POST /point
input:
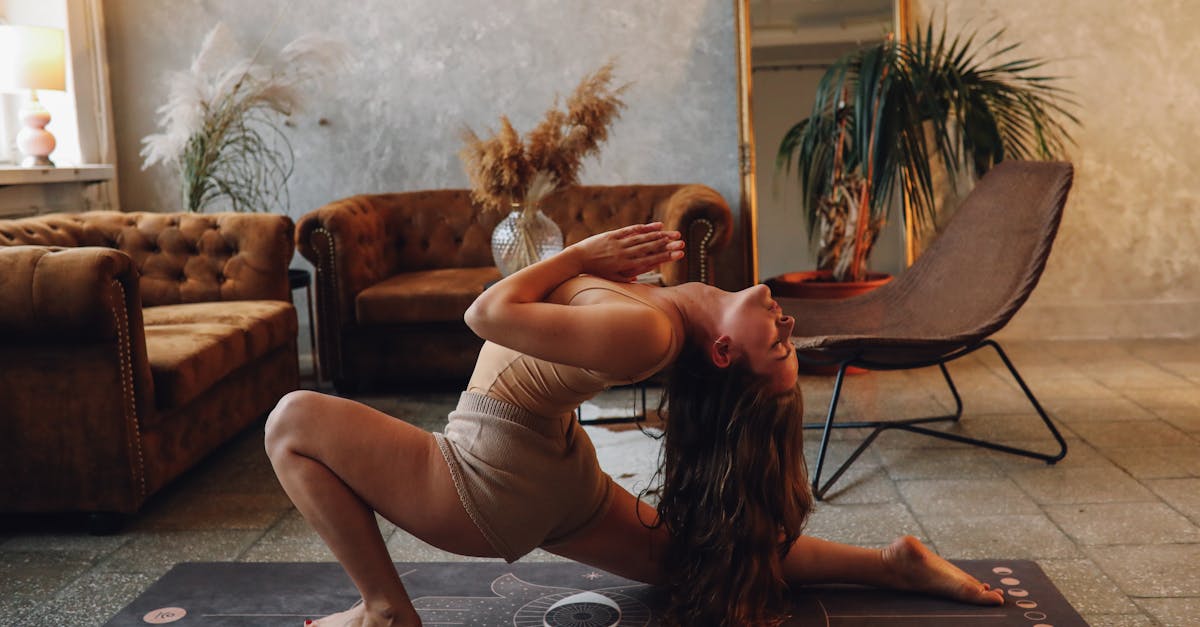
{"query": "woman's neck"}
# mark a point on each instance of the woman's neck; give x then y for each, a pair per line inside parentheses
(699, 307)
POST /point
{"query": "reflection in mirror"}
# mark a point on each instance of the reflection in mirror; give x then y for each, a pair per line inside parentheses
(792, 44)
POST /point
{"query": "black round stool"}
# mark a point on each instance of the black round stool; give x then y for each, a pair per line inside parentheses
(301, 278)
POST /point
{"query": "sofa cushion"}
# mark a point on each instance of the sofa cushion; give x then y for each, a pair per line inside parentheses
(267, 324)
(440, 295)
(195, 345)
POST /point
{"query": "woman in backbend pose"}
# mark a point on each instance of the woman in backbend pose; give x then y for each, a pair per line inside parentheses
(513, 471)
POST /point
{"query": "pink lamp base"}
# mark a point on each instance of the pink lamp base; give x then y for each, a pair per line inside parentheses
(34, 141)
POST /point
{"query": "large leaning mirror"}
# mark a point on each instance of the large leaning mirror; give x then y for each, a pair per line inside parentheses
(784, 47)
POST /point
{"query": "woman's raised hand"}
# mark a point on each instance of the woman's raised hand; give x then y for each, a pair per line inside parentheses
(622, 254)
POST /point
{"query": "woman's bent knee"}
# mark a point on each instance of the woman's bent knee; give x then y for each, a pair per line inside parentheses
(284, 423)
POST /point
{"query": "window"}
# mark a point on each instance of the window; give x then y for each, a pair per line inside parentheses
(79, 117)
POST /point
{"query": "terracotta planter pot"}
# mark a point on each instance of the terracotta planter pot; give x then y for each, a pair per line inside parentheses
(818, 284)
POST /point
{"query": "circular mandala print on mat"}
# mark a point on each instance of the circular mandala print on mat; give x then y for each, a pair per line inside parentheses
(583, 609)
(164, 615)
(583, 615)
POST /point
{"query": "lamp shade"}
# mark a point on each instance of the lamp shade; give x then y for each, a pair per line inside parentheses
(32, 57)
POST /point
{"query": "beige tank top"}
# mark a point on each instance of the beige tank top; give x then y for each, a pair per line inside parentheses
(546, 388)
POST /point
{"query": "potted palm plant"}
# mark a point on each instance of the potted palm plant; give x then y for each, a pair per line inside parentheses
(888, 115)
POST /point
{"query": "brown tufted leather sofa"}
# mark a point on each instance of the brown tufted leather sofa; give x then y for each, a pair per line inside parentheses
(132, 345)
(396, 272)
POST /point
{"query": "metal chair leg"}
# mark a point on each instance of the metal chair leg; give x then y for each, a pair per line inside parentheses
(877, 427)
(1036, 405)
(1046, 457)
(818, 492)
(958, 405)
(914, 425)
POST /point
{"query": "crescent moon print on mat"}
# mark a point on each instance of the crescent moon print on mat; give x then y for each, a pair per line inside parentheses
(533, 605)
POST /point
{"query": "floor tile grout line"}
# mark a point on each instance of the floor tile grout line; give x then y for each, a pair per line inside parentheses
(283, 514)
(43, 606)
(1080, 546)
(1167, 503)
(911, 512)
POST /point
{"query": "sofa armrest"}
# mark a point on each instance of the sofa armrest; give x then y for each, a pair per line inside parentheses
(63, 295)
(345, 242)
(75, 377)
(706, 222)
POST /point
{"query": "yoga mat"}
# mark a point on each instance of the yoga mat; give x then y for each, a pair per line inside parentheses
(554, 594)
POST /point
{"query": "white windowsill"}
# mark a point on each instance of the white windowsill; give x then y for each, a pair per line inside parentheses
(16, 175)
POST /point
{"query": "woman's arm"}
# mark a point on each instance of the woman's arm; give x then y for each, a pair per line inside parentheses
(612, 338)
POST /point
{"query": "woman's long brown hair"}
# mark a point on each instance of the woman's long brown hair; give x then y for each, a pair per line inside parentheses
(734, 495)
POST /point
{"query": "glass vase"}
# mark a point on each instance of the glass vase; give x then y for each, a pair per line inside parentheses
(524, 237)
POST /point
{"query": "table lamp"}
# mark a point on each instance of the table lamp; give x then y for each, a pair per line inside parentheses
(33, 58)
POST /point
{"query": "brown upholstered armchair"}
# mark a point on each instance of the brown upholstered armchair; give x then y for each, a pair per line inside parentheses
(132, 345)
(396, 272)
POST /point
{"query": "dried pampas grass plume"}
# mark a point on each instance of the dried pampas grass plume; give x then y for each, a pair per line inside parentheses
(220, 125)
(503, 169)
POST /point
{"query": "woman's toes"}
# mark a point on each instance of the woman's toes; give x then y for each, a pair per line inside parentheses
(983, 594)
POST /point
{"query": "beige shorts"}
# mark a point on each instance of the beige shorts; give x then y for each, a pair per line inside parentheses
(526, 481)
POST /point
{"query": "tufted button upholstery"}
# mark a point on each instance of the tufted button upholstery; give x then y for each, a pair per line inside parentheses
(132, 345)
(387, 264)
(243, 248)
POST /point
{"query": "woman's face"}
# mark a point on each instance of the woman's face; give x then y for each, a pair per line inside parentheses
(760, 333)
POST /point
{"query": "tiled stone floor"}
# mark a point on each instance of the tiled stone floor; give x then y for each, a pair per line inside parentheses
(1115, 524)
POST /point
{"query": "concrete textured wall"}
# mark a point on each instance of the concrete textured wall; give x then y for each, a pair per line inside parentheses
(1127, 259)
(424, 69)
(1125, 263)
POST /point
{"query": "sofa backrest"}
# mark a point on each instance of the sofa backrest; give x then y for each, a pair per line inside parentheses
(181, 257)
(435, 229)
(443, 228)
(585, 211)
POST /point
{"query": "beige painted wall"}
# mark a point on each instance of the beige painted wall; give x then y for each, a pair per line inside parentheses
(1127, 259)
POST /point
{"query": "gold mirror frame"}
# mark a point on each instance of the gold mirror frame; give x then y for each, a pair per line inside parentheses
(748, 199)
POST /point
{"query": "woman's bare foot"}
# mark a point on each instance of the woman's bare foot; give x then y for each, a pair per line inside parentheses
(359, 616)
(915, 568)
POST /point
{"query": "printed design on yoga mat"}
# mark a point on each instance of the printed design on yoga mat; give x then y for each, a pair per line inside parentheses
(554, 594)
(533, 605)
